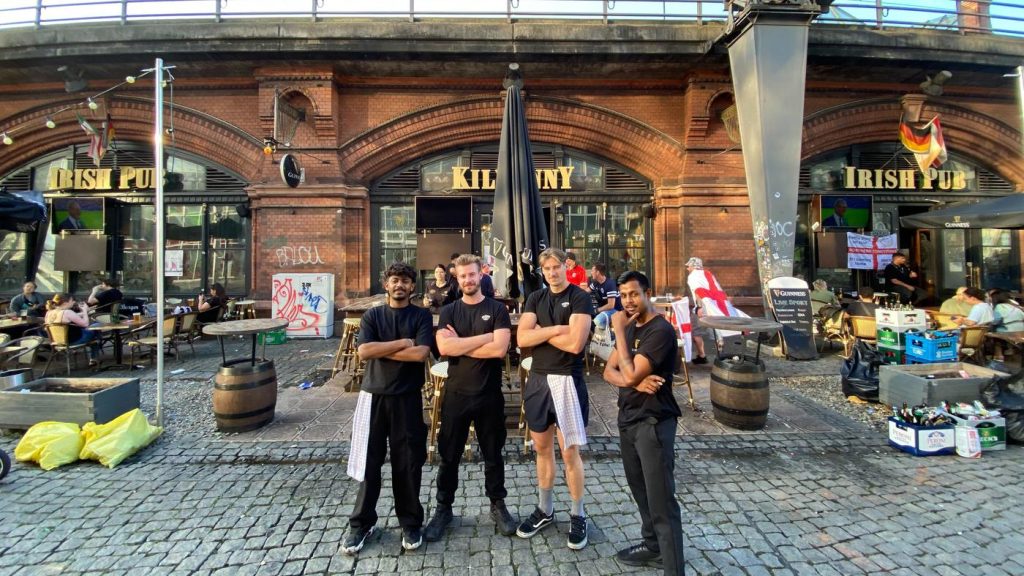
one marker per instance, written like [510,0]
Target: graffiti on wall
[292,256]
[299,303]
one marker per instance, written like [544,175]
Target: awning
[1003,212]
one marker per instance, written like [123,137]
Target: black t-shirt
[901,273]
[487,285]
[384,324]
[656,341]
[859,308]
[604,290]
[436,295]
[551,310]
[213,312]
[468,375]
[108,297]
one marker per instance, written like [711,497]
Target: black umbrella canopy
[1003,212]
[518,233]
[22,211]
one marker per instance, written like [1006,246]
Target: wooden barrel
[739,393]
[244,395]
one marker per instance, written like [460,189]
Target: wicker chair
[59,344]
[26,357]
[186,330]
[151,343]
[972,340]
[860,328]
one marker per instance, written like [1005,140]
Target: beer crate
[991,431]
[933,346]
[273,337]
[901,320]
[891,338]
[921,440]
[892,354]
[930,384]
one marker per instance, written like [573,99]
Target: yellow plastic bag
[118,439]
[51,444]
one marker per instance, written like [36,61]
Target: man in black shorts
[641,367]
[394,340]
[556,324]
[473,332]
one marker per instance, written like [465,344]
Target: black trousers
[908,296]
[398,421]
[486,411]
[648,456]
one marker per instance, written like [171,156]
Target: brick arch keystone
[195,131]
[991,142]
[582,126]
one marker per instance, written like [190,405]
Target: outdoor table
[244,389]
[357,306]
[739,386]
[19,324]
[246,309]
[1015,339]
[117,329]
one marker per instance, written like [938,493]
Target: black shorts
[540,408]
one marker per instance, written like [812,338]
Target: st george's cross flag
[708,292]
[681,316]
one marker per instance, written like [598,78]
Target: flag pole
[158,165]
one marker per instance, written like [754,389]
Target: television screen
[444,213]
[77,214]
[847,211]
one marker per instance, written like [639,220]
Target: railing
[1004,17]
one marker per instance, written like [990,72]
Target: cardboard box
[922,440]
[991,431]
[910,384]
[901,320]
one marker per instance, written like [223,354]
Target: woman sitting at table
[62,309]
[209,307]
[1009,318]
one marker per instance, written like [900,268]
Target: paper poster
[174,262]
[870,252]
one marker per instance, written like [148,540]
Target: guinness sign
[291,172]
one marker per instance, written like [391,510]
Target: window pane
[397,237]
[137,263]
[184,232]
[13,261]
[991,237]
[41,173]
[193,176]
[228,242]
[48,280]
[583,232]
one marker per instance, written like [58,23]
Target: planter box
[921,440]
[911,384]
[77,400]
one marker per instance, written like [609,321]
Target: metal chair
[26,357]
[4,338]
[186,330]
[59,344]
[151,342]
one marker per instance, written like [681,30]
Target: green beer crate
[273,337]
[890,338]
[991,431]
[892,354]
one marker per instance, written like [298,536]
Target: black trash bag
[860,372]
[1007,394]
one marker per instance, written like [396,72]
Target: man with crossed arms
[473,332]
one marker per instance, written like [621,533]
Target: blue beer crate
[933,346]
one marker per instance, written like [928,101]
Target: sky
[910,12]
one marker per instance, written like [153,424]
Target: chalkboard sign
[792,308]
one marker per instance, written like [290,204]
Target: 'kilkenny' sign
[464,178]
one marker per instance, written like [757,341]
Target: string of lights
[91,103]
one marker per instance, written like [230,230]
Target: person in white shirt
[981,311]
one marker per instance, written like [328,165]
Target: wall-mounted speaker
[243,210]
[649,211]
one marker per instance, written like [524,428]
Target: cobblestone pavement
[835,500]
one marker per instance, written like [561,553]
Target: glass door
[615,234]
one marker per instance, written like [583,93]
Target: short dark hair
[112,282]
[571,256]
[400,269]
[1000,296]
[600,267]
[635,276]
[866,292]
[455,255]
[975,293]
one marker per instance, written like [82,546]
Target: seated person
[29,302]
[821,296]
[865,304]
[956,304]
[209,306]
[606,293]
[1008,315]
[981,311]
[63,309]
[104,294]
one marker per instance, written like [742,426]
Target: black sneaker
[355,539]
[700,360]
[435,528]
[503,521]
[577,532]
[535,523]
[412,538]
[638,555]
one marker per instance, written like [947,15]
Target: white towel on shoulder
[567,409]
[360,437]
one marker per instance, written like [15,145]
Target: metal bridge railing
[1005,17]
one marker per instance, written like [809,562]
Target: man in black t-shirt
[606,295]
[900,280]
[394,340]
[104,294]
[556,324]
[473,332]
[641,367]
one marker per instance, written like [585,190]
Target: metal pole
[39,13]
[1020,102]
[158,165]
[124,12]
[219,7]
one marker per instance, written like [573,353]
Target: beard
[470,290]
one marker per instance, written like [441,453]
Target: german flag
[925,141]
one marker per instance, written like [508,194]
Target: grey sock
[577,508]
[546,504]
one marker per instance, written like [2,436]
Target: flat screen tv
[444,213]
[846,211]
[77,214]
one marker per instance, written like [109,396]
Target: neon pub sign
[464,178]
[125,178]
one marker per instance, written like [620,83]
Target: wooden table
[117,329]
[13,325]
[246,309]
[357,306]
[739,324]
[243,327]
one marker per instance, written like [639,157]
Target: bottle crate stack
[893,327]
[932,346]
